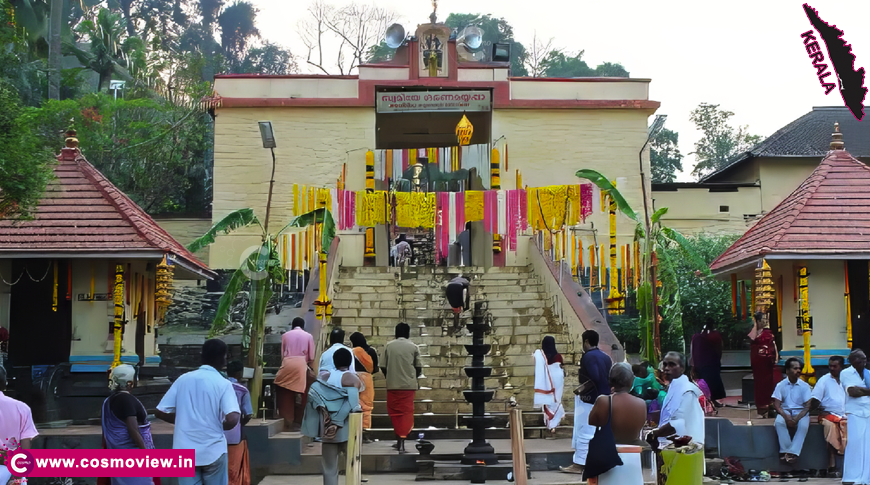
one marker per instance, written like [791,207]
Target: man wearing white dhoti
[594,381]
[549,383]
[856,462]
[682,414]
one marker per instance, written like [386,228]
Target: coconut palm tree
[106,55]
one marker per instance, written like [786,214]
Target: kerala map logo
[849,79]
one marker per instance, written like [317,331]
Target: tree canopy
[495,30]
[720,141]
[665,157]
[559,63]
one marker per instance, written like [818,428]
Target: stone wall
[189,306]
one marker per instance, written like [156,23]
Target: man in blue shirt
[202,405]
[594,373]
[791,399]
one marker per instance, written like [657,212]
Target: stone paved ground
[538,478]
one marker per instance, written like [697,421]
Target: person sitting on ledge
[791,399]
[830,398]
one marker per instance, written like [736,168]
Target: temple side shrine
[85,284]
[814,248]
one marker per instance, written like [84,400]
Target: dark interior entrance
[859,298]
[39,335]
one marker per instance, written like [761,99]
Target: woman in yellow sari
[366,365]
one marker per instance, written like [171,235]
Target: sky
[746,56]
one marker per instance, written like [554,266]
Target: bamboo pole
[518,447]
[848,305]
[353,472]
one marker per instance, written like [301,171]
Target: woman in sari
[549,383]
[764,356]
[366,367]
[124,422]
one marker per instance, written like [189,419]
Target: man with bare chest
[629,412]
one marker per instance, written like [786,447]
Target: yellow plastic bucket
[682,468]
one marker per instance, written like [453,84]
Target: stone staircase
[372,300]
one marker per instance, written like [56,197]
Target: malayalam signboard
[433,101]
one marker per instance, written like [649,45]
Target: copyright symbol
[248,262]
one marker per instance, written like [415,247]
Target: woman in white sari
[549,382]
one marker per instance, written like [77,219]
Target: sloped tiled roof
[829,213]
[82,212]
[807,136]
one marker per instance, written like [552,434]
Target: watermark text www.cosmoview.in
[101,463]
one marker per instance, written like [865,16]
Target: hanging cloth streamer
[371,208]
[442,234]
[451,218]
[502,212]
[415,209]
[474,206]
[585,201]
[459,220]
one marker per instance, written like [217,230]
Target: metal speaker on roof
[395,36]
[471,36]
[501,52]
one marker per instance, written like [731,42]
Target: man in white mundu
[856,463]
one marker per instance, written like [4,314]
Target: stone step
[452,341]
[451,407]
[358,298]
[364,289]
[366,282]
[387,434]
[367,313]
[456,420]
[369,269]
[389,304]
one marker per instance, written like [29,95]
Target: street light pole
[268,137]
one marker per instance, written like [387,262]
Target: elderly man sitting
[791,399]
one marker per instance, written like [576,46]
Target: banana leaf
[658,215]
[605,185]
[226,302]
[317,216]
[686,248]
[232,221]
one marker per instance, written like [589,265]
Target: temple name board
[434,101]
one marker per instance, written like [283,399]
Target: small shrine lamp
[268,137]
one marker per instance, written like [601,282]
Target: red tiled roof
[829,213]
[82,212]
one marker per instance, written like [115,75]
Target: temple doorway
[40,315]
[417,152]
[859,288]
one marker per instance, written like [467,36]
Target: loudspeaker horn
[395,36]
[471,36]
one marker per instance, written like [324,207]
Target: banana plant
[659,237]
[263,269]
